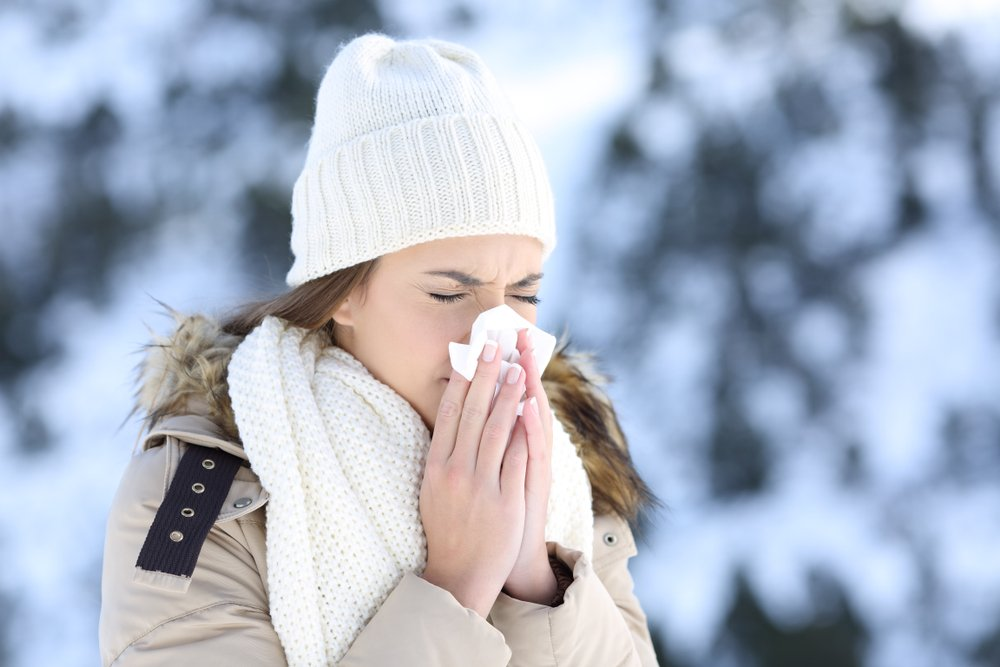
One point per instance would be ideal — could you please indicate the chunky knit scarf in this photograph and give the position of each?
(342, 456)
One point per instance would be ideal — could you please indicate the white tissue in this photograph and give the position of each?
(500, 324)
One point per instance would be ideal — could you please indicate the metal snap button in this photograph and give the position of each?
(177, 536)
(198, 487)
(187, 511)
(208, 464)
(242, 502)
(610, 539)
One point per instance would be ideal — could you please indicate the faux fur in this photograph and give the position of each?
(185, 372)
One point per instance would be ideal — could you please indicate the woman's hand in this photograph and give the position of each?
(532, 578)
(472, 497)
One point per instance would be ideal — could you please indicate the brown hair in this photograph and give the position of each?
(309, 305)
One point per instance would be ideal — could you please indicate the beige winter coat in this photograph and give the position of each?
(220, 615)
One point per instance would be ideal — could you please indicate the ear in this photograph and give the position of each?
(343, 314)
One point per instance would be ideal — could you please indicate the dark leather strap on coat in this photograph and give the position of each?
(188, 511)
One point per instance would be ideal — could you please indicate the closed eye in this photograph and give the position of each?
(451, 298)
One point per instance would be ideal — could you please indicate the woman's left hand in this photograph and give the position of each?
(532, 578)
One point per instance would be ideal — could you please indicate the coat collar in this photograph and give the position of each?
(181, 389)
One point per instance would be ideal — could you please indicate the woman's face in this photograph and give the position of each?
(400, 331)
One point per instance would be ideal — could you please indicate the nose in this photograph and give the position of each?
(491, 300)
(485, 303)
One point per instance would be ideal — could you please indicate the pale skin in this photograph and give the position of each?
(482, 501)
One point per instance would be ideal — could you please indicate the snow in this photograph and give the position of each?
(911, 541)
(930, 342)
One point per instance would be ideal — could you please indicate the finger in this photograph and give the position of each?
(533, 381)
(476, 408)
(538, 444)
(498, 427)
(528, 360)
(539, 454)
(448, 415)
(524, 340)
(515, 463)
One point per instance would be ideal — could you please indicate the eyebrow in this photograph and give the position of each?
(471, 281)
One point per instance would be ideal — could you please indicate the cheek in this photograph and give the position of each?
(424, 331)
(528, 312)
(425, 337)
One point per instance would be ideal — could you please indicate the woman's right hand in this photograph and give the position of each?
(472, 494)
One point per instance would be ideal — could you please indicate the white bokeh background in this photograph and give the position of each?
(915, 548)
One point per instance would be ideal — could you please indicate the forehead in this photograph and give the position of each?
(482, 256)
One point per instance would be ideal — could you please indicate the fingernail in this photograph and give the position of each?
(534, 404)
(490, 350)
(513, 373)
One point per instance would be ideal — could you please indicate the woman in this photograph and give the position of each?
(317, 486)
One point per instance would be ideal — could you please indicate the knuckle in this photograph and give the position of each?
(516, 455)
(454, 477)
(517, 460)
(448, 408)
(494, 431)
(485, 370)
(473, 410)
(433, 467)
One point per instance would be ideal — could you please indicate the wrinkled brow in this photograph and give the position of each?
(471, 281)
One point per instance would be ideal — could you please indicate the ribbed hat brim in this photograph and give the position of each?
(431, 178)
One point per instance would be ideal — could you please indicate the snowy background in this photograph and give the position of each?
(778, 230)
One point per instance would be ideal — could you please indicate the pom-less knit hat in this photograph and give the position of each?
(413, 141)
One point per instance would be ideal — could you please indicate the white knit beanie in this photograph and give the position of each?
(413, 141)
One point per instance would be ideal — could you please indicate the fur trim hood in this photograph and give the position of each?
(184, 372)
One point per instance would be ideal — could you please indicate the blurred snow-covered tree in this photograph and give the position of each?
(123, 126)
(134, 137)
(798, 221)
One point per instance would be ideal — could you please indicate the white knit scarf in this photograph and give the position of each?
(342, 456)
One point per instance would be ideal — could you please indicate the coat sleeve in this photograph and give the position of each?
(600, 622)
(222, 617)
